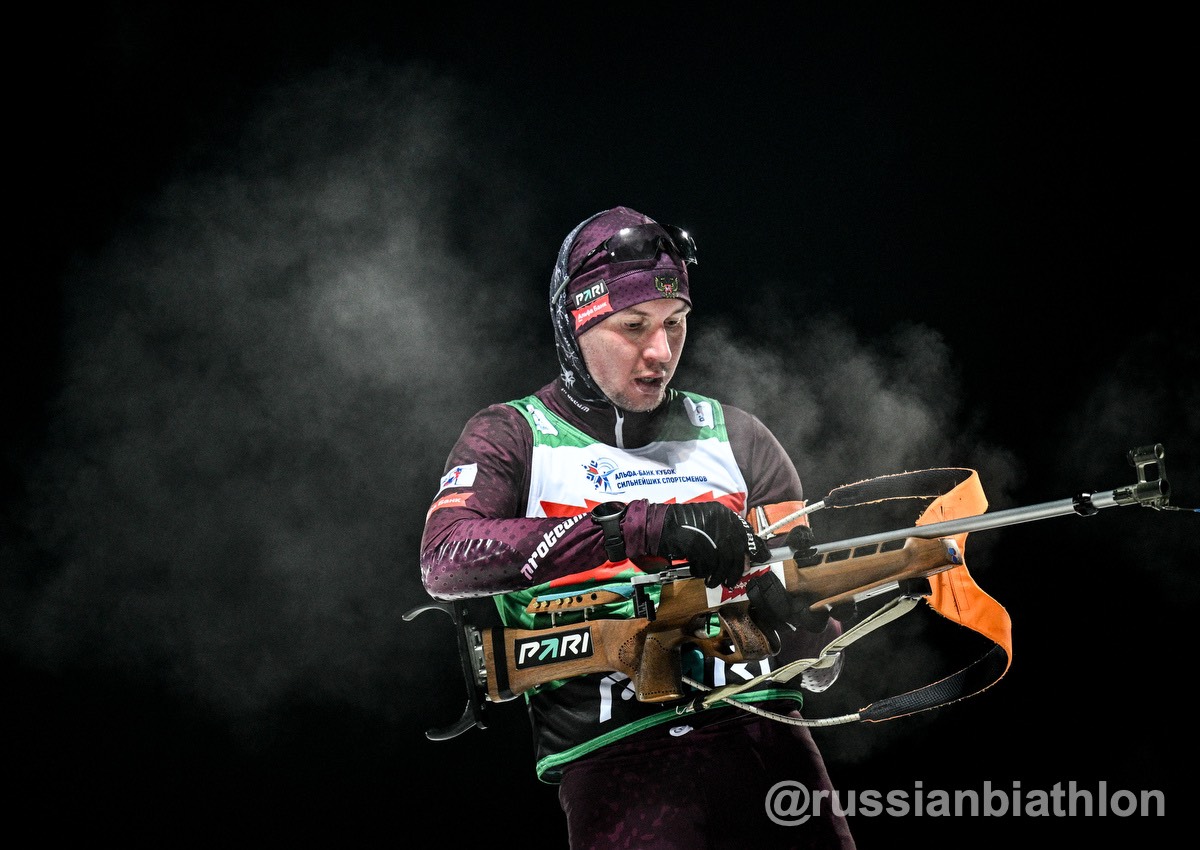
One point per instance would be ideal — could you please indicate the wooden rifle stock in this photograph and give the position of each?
(840, 576)
(647, 649)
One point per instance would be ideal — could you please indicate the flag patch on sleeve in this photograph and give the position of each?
(459, 476)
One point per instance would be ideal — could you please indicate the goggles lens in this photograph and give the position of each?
(644, 242)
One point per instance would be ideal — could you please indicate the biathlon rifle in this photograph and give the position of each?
(672, 609)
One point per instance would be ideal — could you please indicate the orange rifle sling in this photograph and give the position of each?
(955, 596)
(955, 593)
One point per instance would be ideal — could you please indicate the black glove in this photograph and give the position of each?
(714, 540)
(772, 608)
(770, 604)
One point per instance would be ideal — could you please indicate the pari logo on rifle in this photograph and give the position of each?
(562, 646)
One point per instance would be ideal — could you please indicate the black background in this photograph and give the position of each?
(1013, 179)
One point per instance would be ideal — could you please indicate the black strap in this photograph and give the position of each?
(608, 516)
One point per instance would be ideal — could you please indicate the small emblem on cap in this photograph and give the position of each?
(668, 285)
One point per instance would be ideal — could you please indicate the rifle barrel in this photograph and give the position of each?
(1085, 504)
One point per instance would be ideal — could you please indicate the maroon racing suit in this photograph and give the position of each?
(697, 780)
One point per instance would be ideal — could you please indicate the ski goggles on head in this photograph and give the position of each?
(643, 242)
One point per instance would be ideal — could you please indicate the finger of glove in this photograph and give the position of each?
(703, 564)
(753, 546)
(760, 553)
(706, 559)
(731, 560)
(770, 605)
(734, 539)
(697, 547)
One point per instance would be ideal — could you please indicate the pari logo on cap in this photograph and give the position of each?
(590, 303)
(591, 293)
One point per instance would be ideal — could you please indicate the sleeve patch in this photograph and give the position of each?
(460, 476)
(450, 500)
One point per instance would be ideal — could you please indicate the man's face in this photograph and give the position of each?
(632, 354)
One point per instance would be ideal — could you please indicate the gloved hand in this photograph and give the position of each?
(714, 540)
(770, 605)
(772, 608)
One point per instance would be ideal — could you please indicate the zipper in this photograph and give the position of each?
(619, 427)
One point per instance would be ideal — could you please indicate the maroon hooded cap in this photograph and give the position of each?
(604, 287)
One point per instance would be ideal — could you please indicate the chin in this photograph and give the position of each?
(639, 405)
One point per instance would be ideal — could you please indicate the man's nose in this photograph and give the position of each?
(658, 346)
